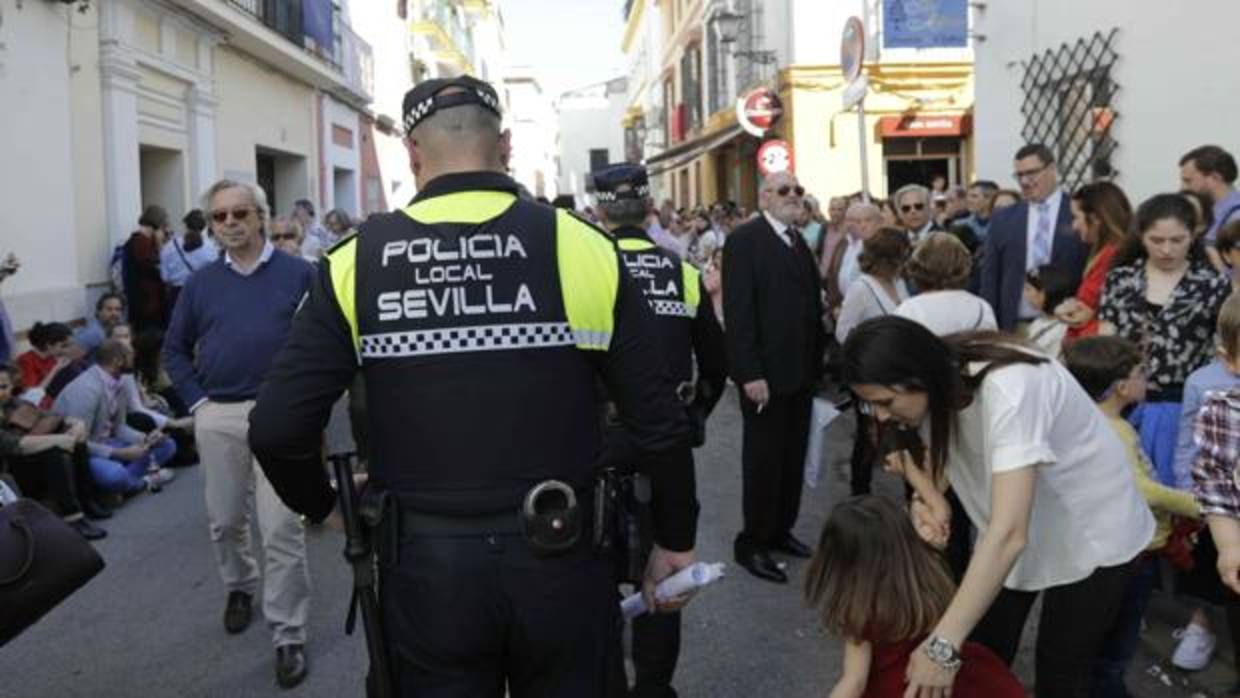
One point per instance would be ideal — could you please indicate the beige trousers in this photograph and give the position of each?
(234, 484)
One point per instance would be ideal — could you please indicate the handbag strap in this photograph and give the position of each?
(19, 524)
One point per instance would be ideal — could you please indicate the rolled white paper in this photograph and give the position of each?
(697, 575)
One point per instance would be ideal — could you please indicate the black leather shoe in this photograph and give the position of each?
(237, 613)
(290, 665)
(94, 510)
(88, 530)
(762, 566)
(792, 546)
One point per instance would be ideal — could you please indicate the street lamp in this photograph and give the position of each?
(728, 25)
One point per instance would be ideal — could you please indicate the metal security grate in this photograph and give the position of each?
(1068, 106)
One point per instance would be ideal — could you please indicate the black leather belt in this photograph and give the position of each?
(420, 524)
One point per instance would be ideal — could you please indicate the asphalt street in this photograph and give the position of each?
(151, 623)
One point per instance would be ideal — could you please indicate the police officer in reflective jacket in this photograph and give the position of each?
(480, 322)
(689, 335)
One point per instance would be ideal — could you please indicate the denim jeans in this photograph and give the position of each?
(115, 475)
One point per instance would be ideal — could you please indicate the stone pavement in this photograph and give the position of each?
(150, 624)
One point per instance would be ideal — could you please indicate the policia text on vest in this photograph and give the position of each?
(480, 323)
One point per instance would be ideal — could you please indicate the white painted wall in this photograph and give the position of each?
(36, 213)
(391, 42)
(590, 117)
(261, 107)
(341, 164)
(1174, 68)
(531, 118)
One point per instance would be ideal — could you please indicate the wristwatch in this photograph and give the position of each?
(942, 652)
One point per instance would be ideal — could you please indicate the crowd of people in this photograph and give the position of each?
(1095, 347)
(1055, 374)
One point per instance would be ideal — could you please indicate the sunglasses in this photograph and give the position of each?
(280, 237)
(912, 207)
(239, 214)
(784, 190)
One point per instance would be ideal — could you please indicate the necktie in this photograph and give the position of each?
(1042, 236)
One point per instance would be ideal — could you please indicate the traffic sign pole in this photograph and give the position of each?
(865, 160)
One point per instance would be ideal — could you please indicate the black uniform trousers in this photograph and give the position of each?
(473, 616)
(54, 475)
(772, 468)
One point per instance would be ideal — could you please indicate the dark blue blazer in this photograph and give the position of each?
(1003, 258)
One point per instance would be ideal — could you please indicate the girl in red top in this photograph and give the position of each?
(52, 354)
(1101, 216)
(882, 588)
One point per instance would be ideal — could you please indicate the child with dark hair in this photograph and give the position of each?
(1111, 371)
(881, 588)
(1046, 287)
(50, 354)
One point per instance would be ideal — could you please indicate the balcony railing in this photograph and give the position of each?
(349, 54)
(451, 19)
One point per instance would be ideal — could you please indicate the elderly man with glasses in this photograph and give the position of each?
(1033, 233)
(232, 318)
(772, 305)
(913, 207)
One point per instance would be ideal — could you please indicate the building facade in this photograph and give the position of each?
(140, 102)
(918, 61)
(531, 118)
(1085, 79)
(591, 133)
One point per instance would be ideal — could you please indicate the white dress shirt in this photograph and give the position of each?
(781, 228)
(1032, 259)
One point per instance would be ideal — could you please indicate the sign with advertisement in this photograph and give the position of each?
(925, 125)
(758, 110)
(775, 156)
(925, 23)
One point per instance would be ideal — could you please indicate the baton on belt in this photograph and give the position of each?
(360, 556)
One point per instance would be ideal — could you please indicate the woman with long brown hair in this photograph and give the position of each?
(1040, 474)
(1101, 216)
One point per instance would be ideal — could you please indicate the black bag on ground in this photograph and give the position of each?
(42, 561)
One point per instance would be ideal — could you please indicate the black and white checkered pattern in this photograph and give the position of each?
(673, 309)
(609, 196)
(420, 111)
(456, 340)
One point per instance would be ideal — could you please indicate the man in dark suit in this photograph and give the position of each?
(772, 307)
(1035, 232)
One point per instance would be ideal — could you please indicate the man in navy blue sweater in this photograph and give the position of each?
(230, 321)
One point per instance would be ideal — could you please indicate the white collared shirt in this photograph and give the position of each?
(263, 258)
(850, 269)
(1031, 227)
(1028, 312)
(781, 228)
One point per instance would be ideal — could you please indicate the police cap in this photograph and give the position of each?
(616, 182)
(425, 98)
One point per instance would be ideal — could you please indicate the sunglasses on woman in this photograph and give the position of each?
(238, 214)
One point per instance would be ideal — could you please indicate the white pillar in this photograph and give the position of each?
(120, 141)
(203, 171)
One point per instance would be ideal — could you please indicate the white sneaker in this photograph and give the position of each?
(159, 478)
(1195, 648)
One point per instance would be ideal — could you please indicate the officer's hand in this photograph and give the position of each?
(663, 564)
(758, 391)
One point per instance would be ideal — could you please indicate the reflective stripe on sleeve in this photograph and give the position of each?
(693, 288)
(589, 280)
(342, 262)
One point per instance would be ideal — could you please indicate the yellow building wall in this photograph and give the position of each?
(825, 139)
(261, 107)
(90, 206)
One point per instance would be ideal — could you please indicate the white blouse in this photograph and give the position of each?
(1087, 510)
(865, 299)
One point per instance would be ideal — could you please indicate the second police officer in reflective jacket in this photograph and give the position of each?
(689, 336)
(480, 322)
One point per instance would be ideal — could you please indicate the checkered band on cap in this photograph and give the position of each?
(457, 340)
(639, 192)
(420, 111)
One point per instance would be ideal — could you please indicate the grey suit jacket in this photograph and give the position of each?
(83, 398)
